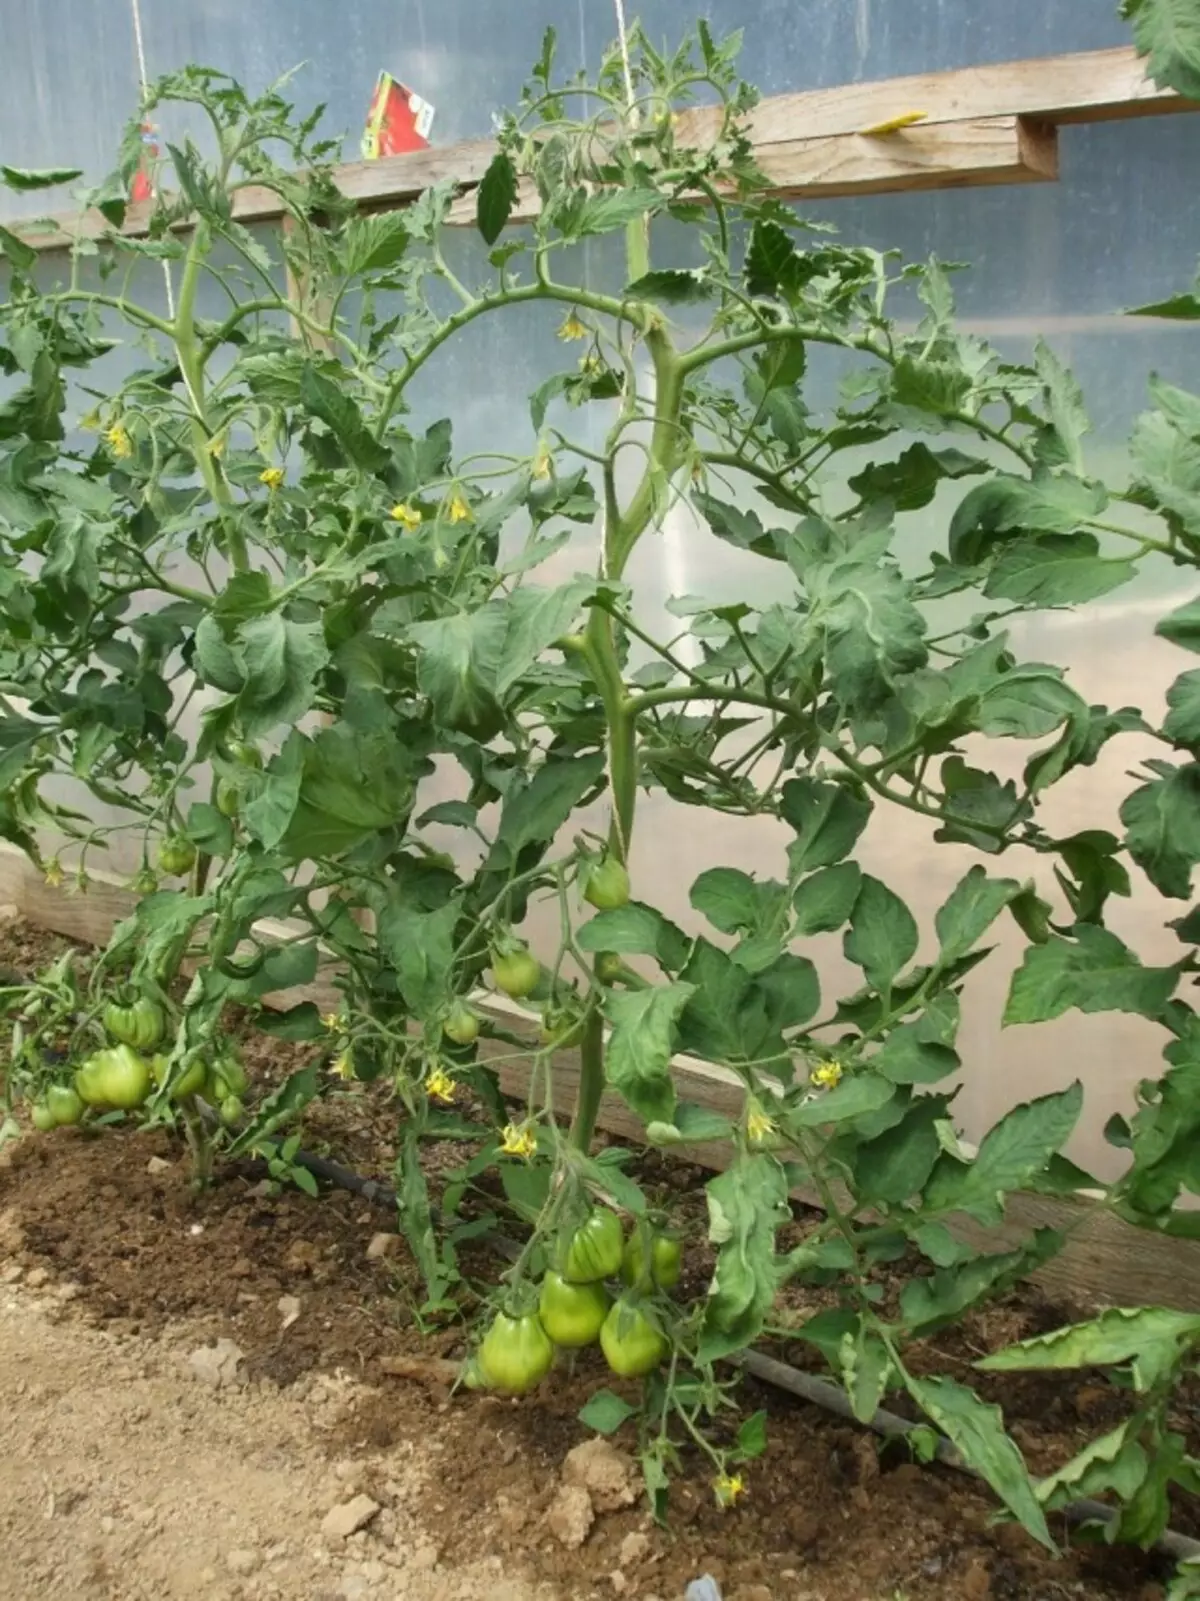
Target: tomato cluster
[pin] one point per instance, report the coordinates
(575, 1309)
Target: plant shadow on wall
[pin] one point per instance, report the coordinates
(255, 530)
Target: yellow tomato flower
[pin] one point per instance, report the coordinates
(542, 463)
(407, 516)
(441, 1086)
(119, 442)
(271, 476)
(518, 1139)
(55, 877)
(332, 1021)
(90, 422)
(343, 1067)
(457, 510)
(572, 328)
(590, 363)
(758, 1126)
(827, 1075)
(727, 1487)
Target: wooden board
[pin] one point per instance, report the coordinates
(811, 142)
(1105, 1261)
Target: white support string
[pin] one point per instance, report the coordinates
(144, 78)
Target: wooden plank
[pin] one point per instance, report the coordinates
(1087, 86)
(1091, 86)
(1105, 1262)
(978, 151)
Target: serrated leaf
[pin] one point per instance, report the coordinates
(1056, 570)
(882, 937)
(373, 242)
(420, 946)
(1012, 1152)
(281, 1106)
(1182, 626)
(538, 804)
(828, 818)
(1153, 1338)
(1093, 971)
(976, 1430)
(824, 900)
(1167, 32)
(354, 784)
(973, 905)
(671, 287)
(22, 256)
(635, 930)
(23, 179)
(747, 1205)
(1047, 503)
(456, 668)
(322, 397)
(857, 1095)
(535, 618)
(638, 1059)
(605, 1412)
(1162, 829)
(496, 197)
(1182, 723)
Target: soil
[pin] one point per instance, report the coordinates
(125, 1473)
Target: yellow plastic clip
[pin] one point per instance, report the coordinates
(894, 124)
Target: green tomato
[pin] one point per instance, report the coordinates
(228, 798)
(516, 972)
(245, 754)
(232, 1111)
(42, 1117)
(461, 1026)
(609, 967)
(665, 1257)
(607, 885)
(593, 1251)
(516, 1354)
(229, 1076)
(176, 855)
(632, 1342)
(118, 1078)
(145, 882)
(561, 1027)
(192, 1082)
(64, 1104)
(139, 1024)
(572, 1314)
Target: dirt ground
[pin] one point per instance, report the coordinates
(190, 1388)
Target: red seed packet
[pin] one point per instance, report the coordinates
(143, 185)
(398, 120)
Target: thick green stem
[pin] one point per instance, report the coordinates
(591, 1082)
(191, 365)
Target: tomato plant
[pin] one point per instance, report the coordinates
(252, 522)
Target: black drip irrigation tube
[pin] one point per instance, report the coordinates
(805, 1386)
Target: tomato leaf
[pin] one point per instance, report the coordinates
(637, 1061)
(828, 818)
(605, 1412)
(496, 197)
(882, 937)
(976, 1430)
(1153, 1338)
(26, 178)
(747, 1205)
(1093, 970)
(1016, 1149)
(1162, 828)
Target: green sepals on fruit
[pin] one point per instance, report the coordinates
(139, 1022)
(227, 1076)
(516, 1354)
(631, 1339)
(606, 884)
(119, 1078)
(144, 882)
(665, 1262)
(562, 1025)
(592, 1251)
(228, 797)
(572, 1314)
(516, 971)
(461, 1024)
(176, 855)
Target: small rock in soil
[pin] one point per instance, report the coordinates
(302, 1257)
(570, 1515)
(37, 1278)
(348, 1517)
(752, 1592)
(634, 1548)
(603, 1471)
(382, 1245)
(289, 1310)
(217, 1365)
(977, 1583)
(243, 1562)
(511, 1515)
(618, 1581)
(157, 1165)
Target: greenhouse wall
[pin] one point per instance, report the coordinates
(1056, 261)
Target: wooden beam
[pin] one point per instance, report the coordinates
(1104, 1263)
(971, 116)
